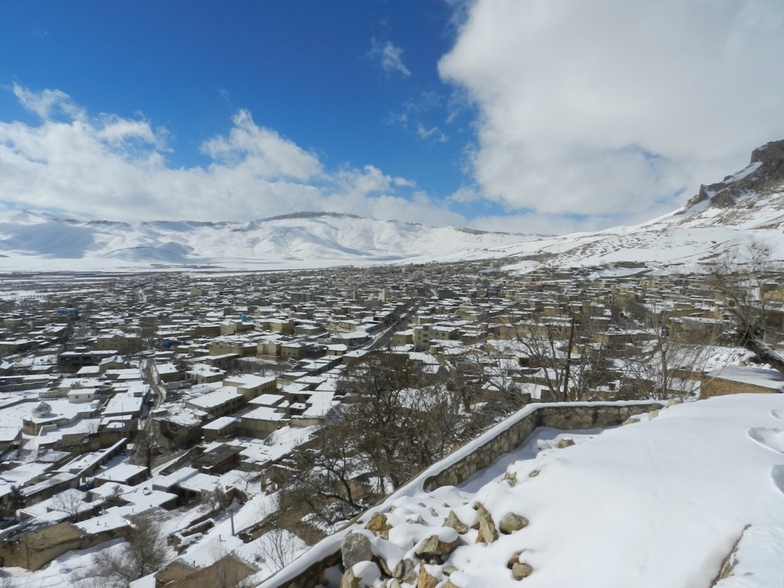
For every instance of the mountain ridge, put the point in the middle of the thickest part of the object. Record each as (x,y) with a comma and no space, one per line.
(744,208)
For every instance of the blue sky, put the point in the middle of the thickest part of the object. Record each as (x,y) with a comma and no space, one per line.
(501,114)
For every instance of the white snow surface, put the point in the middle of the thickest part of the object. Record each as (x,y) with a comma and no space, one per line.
(660,502)
(44,241)
(682,241)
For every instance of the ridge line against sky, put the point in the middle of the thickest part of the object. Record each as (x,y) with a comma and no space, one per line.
(514,115)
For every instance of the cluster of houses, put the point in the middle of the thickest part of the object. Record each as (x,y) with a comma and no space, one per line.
(170,386)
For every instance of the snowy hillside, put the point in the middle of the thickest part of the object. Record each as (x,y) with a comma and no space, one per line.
(729,215)
(743,208)
(30,240)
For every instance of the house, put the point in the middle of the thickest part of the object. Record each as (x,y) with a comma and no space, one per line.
(252,386)
(740,380)
(218,403)
(124,473)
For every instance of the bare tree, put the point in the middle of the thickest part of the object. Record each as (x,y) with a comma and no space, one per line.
(278,548)
(392,410)
(396,420)
(217,499)
(565,351)
(69,502)
(740,281)
(143,553)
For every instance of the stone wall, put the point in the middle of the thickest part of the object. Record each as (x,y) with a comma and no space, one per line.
(457,468)
(557,416)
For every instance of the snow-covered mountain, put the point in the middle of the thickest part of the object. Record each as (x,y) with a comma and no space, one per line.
(744,208)
(44,241)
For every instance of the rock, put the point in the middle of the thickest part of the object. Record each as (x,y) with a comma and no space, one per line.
(455,523)
(424,580)
(520,570)
(487,531)
(564,442)
(378,525)
(394,583)
(449,570)
(367,573)
(349,580)
(511,523)
(440,544)
(354,549)
(406,571)
(533,473)
(514,559)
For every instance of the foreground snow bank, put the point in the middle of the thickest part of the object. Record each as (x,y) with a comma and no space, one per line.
(661,502)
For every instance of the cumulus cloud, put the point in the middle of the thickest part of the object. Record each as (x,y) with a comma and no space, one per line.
(116,168)
(389,56)
(613,109)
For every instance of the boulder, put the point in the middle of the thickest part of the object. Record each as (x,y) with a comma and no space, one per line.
(520,570)
(378,525)
(349,580)
(406,571)
(455,523)
(511,523)
(487,531)
(354,549)
(425,580)
(442,543)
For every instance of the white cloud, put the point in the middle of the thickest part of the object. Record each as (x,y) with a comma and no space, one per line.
(431,134)
(116,168)
(389,56)
(606,109)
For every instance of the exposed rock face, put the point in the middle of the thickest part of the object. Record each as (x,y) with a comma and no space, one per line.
(487,531)
(511,523)
(354,549)
(768,173)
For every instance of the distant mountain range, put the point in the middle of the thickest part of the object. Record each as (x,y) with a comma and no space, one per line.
(44,241)
(745,207)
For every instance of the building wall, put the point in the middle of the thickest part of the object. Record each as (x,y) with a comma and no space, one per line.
(719,387)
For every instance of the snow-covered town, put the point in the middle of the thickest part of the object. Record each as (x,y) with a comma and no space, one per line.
(392,294)
(212,402)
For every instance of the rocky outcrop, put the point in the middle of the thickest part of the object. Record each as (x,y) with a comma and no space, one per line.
(765,172)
